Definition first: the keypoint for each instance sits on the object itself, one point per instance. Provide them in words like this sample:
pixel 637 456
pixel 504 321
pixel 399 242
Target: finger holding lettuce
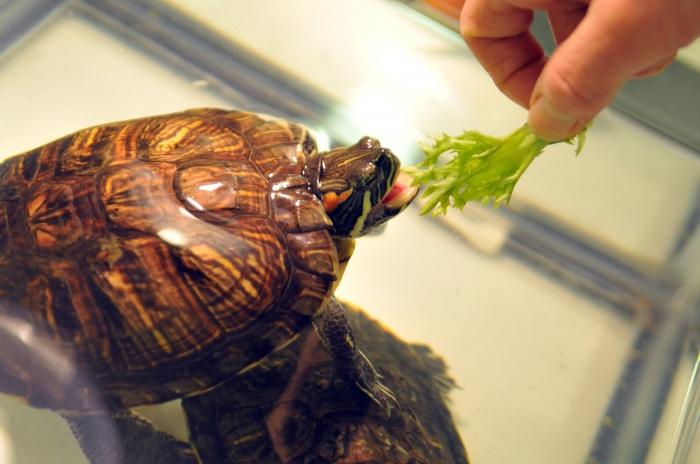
pixel 600 46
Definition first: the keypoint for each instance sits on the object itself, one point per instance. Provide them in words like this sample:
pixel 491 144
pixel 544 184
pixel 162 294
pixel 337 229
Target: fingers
pixel 514 64
pixel 614 42
pixel 565 17
pixel 601 45
pixel 493 19
pixel 609 46
pixel 497 32
pixel 656 67
pixel 498 35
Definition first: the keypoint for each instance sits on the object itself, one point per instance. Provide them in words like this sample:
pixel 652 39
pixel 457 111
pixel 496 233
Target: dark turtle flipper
pixel 127 438
pixel 335 331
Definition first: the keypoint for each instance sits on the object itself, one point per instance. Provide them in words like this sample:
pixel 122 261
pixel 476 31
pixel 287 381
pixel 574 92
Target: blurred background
pixel 568 319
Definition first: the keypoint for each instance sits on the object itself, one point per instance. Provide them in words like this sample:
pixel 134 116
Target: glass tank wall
pixel 568 319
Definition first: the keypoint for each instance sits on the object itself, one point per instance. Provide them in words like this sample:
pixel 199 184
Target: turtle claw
pixel 382 396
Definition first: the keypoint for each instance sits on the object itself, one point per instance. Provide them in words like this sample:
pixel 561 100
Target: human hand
pixel 601 44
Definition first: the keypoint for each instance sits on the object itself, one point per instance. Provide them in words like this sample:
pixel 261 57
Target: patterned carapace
pixel 163 254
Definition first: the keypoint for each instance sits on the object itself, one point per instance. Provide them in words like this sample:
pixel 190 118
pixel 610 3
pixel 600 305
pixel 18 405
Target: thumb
pixel 614 41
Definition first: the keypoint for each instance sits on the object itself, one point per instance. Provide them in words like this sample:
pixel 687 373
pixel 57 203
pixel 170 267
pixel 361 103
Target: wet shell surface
pixel 158 256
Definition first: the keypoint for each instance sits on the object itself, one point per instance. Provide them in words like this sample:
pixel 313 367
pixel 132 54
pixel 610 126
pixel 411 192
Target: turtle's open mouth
pixel 396 200
pixel 401 193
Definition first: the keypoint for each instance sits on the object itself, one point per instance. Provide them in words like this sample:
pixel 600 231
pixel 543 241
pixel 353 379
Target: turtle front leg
pixel 335 332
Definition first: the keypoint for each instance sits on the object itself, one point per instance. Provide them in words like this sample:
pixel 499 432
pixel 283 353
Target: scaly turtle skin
pixel 160 256
pixel 296 407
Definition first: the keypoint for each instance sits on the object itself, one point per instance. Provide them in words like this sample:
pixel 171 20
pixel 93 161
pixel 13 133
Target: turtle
pixel 152 259
pixel 296 407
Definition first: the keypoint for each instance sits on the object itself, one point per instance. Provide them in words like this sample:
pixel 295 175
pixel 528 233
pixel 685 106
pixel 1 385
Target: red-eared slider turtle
pixel 163 255
pixel 296 407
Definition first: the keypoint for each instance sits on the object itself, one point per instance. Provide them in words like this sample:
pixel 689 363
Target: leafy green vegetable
pixel 482 168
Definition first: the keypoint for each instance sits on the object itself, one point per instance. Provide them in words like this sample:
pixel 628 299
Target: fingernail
pixel 550 124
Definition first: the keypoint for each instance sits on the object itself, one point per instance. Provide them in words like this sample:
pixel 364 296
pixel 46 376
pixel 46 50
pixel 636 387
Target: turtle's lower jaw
pixel 399 197
pixel 401 194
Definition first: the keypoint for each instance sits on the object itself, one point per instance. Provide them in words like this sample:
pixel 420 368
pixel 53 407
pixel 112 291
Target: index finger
pixel 498 34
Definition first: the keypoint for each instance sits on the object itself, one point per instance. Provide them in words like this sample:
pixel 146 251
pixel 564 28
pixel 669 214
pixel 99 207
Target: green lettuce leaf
pixel 481 168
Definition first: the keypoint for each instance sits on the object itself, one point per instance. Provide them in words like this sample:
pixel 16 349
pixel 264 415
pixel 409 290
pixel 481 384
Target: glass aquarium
pixel 560 328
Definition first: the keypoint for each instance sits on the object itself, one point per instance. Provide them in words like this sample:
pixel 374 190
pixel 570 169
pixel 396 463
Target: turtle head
pixel 361 187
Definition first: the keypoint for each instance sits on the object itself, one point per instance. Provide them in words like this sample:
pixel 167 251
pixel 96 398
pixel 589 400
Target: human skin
pixel 601 44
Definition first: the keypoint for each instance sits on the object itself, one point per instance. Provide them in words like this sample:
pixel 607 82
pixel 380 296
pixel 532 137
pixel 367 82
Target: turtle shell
pixel 161 255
